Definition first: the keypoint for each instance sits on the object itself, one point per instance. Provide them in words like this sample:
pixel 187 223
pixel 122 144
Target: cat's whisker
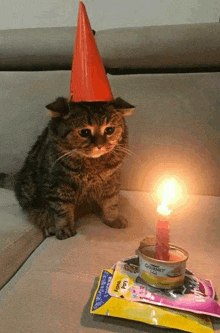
pixel 122 149
pixel 126 150
pixel 54 155
pixel 66 155
pixel 113 152
pixel 129 151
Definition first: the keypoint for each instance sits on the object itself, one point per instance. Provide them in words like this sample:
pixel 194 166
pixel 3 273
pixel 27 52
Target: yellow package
pixel 104 304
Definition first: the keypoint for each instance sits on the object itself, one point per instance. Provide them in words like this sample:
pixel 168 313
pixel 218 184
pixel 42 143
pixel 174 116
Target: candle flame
pixel 163 210
pixel 169 193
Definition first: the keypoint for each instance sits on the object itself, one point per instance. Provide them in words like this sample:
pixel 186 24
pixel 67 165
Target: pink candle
pixel 162 232
pixel 162 239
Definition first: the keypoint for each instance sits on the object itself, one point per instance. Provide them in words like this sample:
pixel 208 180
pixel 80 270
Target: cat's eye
pixel 85 132
pixel 109 130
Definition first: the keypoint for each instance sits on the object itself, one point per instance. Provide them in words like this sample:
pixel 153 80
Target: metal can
pixel 162 274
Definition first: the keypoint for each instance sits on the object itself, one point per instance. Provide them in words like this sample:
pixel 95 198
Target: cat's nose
pixel 99 142
pixel 99 146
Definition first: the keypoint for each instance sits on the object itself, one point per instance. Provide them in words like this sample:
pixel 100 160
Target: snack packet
pixel 104 304
pixel 194 296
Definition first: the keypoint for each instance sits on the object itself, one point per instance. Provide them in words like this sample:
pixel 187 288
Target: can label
pixel 162 271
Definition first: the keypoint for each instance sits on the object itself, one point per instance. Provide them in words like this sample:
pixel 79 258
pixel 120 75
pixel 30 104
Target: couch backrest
pixel 175 127
pixel 181 47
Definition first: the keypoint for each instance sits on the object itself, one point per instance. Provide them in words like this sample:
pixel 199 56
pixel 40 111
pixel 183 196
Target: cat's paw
pixel 49 231
pixel 119 223
pixel 66 232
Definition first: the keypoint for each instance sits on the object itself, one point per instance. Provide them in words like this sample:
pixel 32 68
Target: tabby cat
pixel 74 167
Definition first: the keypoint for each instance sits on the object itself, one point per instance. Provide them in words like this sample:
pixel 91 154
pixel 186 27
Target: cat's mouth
pixel 97 152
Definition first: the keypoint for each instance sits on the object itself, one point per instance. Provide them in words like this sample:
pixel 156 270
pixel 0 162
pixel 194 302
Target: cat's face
pixel 94 129
pixel 90 129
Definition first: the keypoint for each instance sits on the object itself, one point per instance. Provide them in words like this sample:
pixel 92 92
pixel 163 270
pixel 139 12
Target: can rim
pixel 186 254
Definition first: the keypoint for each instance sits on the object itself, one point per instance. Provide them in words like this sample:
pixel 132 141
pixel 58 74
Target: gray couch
pixel 172 75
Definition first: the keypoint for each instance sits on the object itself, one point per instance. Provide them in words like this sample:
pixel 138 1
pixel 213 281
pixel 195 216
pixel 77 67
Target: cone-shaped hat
pixel 89 81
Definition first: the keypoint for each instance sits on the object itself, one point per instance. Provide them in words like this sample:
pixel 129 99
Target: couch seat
pixel 18 238
pixel 52 291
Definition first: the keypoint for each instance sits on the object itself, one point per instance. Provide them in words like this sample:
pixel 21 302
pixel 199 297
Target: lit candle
pixel 162 234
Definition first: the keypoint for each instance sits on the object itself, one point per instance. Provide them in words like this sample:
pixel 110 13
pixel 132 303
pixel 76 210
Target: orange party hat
pixel 89 82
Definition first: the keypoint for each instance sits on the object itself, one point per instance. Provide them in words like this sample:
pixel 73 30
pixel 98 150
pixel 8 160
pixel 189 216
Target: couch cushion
pixel 52 291
pixel 173 46
pixel 18 238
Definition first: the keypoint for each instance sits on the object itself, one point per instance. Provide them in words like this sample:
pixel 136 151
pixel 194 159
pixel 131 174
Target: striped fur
pixel 75 165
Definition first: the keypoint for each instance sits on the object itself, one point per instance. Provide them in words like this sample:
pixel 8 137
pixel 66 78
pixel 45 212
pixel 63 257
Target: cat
pixel 75 166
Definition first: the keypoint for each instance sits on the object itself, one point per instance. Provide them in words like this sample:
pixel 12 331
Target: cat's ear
pixel 58 108
pixel 124 107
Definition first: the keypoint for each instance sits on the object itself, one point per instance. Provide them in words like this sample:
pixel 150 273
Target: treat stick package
pixel 104 304
pixel 195 295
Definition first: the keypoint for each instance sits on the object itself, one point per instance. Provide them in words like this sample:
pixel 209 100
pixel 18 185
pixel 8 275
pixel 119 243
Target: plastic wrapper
pixel 104 304
pixel 195 295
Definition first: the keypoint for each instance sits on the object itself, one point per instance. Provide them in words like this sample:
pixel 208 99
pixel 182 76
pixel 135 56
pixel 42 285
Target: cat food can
pixel 162 274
